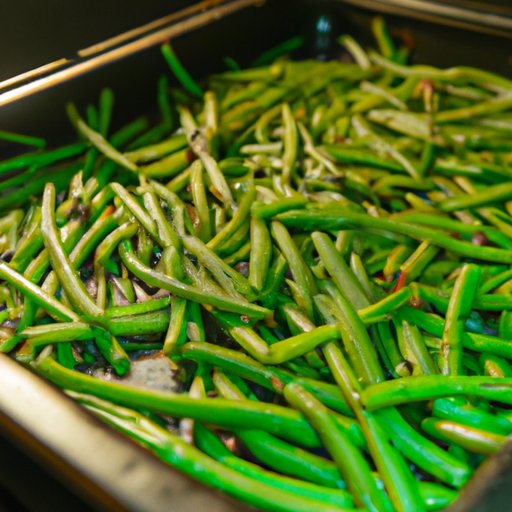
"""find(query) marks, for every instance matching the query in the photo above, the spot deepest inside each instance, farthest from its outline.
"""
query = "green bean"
(397, 478)
(169, 165)
(383, 38)
(477, 76)
(461, 411)
(363, 130)
(438, 221)
(459, 307)
(381, 309)
(356, 341)
(268, 210)
(166, 233)
(261, 125)
(248, 93)
(35, 293)
(112, 351)
(200, 201)
(227, 389)
(358, 54)
(105, 110)
(105, 248)
(180, 72)
(137, 309)
(42, 159)
(301, 273)
(59, 176)
(237, 221)
(230, 280)
(495, 281)
(422, 452)
(237, 363)
(429, 387)
(63, 331)
(178, 453)
(389, 352)
(101, 228)
(470, 438)
(97, 140)
(414, 349)
(181, 219)
(210, 444)
(212, 168)
(485, 107)
(339, 218)
(280, 455)
(163, 103)
(290, 140)
(155, 278)
(154, 322)
(263, 73)
(70, 234)
(268, 417)
(176, 333)
(495, 366)
(26, 140)
(19, 178)
(493, 194)
(353, 467)
(283, 48)
(30, 243)
(140, 214)
(61, 264)
(157, 151)
(260, 254)
(339, 270)
(283, 350)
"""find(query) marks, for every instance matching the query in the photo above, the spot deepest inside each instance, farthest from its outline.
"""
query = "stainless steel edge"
(489, 489)
(132, 42)
(478, 21)
(107, 469)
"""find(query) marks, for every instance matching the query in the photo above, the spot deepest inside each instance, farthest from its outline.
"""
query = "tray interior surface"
(242, 36)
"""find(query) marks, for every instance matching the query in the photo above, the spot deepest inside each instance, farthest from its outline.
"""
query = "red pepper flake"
(191, 156)
(270, 321)
(479, 239)
(277, 384)
(108, 211)
(400, 282)
(426, 85)
(231, 444)
(415, 302)
(244, 319)
(406, 36)
(215, 192)
(300, 113)
(383, 278)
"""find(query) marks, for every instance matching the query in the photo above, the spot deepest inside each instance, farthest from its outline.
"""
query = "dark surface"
(35, 32)
(106, 470)
(491, 491)
(243, 36)
(27, 487)
(42, 31)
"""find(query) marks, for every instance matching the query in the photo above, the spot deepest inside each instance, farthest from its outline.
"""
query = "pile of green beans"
(323, 250)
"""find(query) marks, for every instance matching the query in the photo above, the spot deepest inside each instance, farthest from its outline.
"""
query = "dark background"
(35, 32)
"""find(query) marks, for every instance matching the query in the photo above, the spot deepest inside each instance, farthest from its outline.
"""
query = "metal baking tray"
(72, 457)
